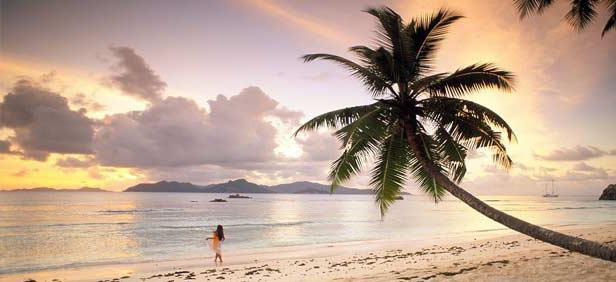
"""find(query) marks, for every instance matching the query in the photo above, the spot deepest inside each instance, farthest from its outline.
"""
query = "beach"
(512, 257)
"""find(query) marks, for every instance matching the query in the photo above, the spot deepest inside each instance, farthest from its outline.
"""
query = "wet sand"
(502, 258)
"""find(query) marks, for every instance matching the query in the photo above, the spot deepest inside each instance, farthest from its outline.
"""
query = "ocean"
(47, 230)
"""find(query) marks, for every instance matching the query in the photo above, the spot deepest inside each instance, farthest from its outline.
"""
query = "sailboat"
(552, 194)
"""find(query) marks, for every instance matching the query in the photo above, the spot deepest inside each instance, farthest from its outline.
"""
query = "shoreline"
(283, 261)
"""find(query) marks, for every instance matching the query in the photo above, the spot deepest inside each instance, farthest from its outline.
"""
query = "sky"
(113, 93)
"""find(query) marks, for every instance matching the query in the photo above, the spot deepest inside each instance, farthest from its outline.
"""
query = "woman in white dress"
(217, 238)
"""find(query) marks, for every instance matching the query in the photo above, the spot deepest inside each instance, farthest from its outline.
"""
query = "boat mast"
(553, 187)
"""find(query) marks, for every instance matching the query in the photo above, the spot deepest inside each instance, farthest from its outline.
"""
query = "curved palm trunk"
(583, 246)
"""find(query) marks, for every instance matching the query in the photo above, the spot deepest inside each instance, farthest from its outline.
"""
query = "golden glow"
(300, 20)
(18, 173)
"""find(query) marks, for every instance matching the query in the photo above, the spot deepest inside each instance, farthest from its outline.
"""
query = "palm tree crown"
(581, 13)
(408, 96)
(419, 126)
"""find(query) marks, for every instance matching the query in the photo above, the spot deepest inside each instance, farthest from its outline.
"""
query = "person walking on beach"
(217, 238)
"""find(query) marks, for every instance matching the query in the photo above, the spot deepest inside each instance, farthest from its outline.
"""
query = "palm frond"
(419, 85)
(349, 163)
(376, 85)
(379, 61)
(611, 22)
(389, 175)
(426, 34)
(388, 27)
(527, 7)
(470, 79)
(367, 122)
(335, 119)
(360, 140)
(453, 154)
(363, 53)
(384, 62)
(582, 13)
(424, 178)
(452, 107)
(473, 133)
(390, 35)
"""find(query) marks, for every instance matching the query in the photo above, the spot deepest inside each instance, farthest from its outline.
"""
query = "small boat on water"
(218, 201)
(551, 194)
(238, 196)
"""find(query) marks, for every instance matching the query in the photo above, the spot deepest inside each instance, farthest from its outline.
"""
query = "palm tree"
(419, 126)
(581, 13)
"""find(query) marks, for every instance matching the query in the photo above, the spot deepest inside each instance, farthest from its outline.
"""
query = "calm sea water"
(41, 230)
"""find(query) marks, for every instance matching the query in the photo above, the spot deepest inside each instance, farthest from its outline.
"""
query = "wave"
(277, 224)
(32, 268)
(269, 224)
(486, 230)
(578, 208)
(138, 210)
(559, 208)
(65, 224)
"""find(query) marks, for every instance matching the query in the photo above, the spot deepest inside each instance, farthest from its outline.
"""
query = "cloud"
(583, 167)
(5, 147)
(577, 153)
(82, 101)
(95, 173)
(321, 76)
(71, 162)
(173, 138)
(200, 174)
(273, 172)
(21, 173)
(582, 171)
(43, 123)
(287, 116)
(319, 147)
(177, 132)
(135, 77)
(580, 178)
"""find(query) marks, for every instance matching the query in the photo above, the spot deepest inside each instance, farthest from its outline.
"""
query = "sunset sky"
(113, 93)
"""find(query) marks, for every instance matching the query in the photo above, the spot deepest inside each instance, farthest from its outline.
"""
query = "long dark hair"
(219, 233)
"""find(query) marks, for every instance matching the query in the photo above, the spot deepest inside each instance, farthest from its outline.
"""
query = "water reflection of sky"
(40, 230)
(43, 229)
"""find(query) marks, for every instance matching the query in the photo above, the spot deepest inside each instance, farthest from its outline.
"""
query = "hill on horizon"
(48, 189)
(243, 186)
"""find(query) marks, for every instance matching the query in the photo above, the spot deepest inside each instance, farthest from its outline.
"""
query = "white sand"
(504, 258)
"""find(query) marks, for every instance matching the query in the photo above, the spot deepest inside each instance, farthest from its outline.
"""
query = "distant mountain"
(233, 186)
(166, 186)
(236, 186)
(306, 187)
(243, 186)
(47, 189)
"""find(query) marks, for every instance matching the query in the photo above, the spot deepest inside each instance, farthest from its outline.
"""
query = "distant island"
(609, 193)
(244, 186)
(239, 186)
(47, 189)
